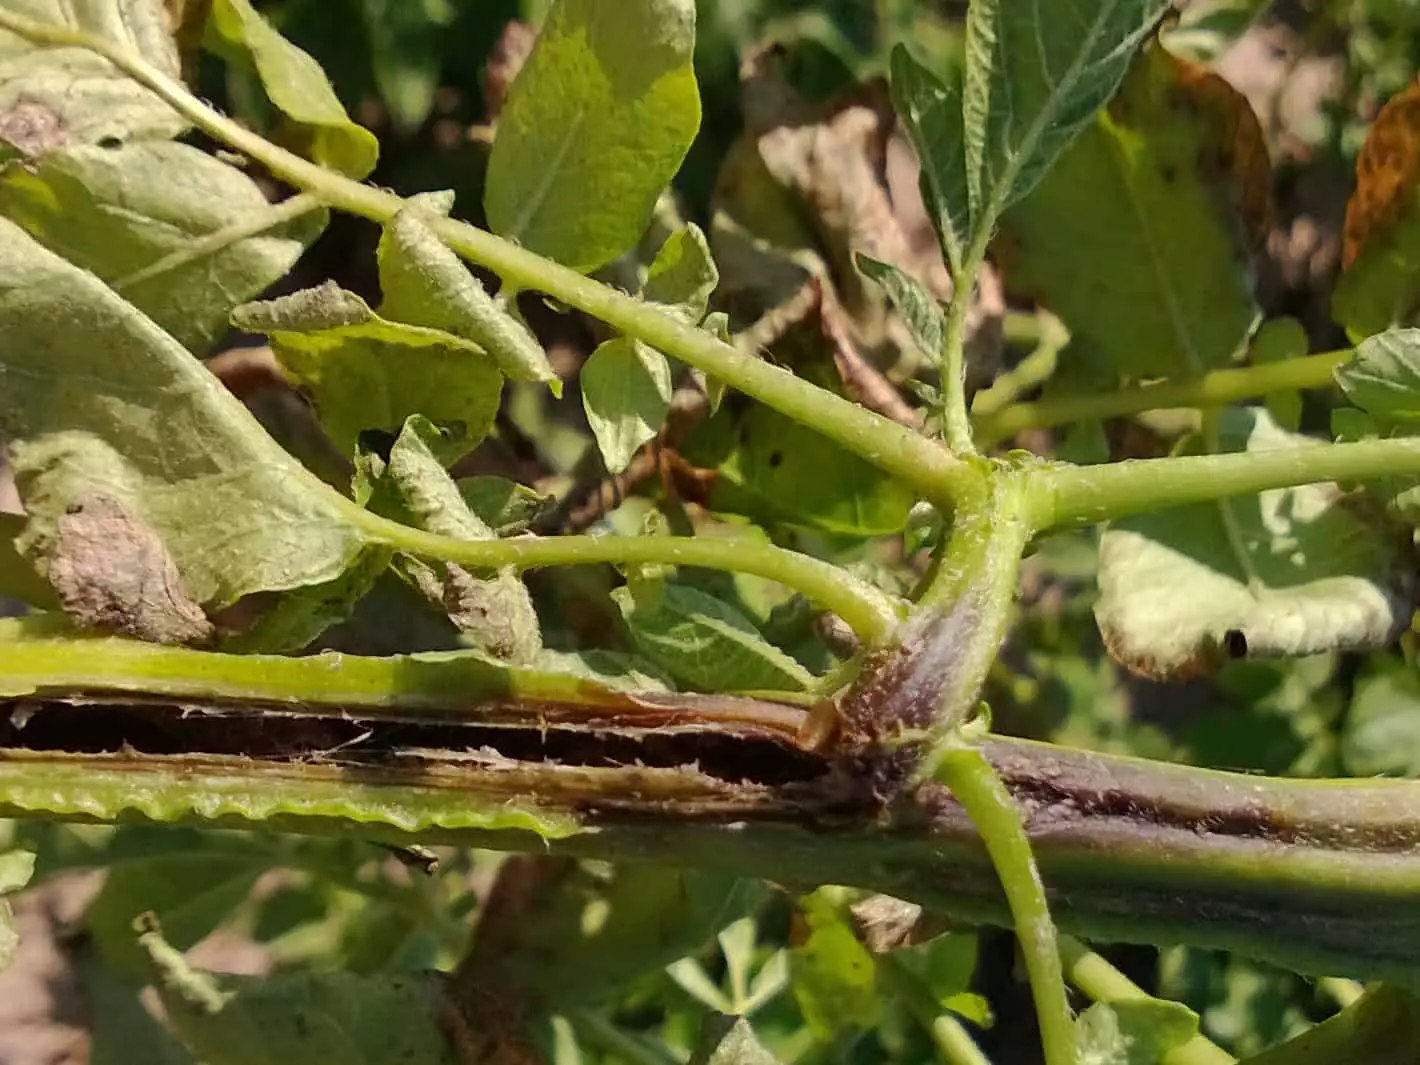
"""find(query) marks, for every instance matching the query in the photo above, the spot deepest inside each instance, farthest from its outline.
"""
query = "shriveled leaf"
(931, 112)
(504, 506)
(176, 232)
(53, 98)
(363, 371)
(298, 617)
(493, 613)
(1380, 256)
(682, 276)
(1383, 378)
(1134, 239)
(1133, 1032)
(918, 307)
(727, 1040)
(296, 86)
(1292, 572)
(626, 391)
(424, 283)
(704, 642)
(16, 868)
(235, 511)
(1035, 74)
(333, 1018)
(595, 126)
(835, 979)
(1381, 735)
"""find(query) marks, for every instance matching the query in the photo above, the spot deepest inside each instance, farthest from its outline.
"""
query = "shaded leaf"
(52, 98)
(424, 283)
(1133, 1031)
(296, 86)
(504, 506)
(704, 642)
(363, 371)
(626, 392)
(235, 511)
(726, 1040)
(18, 579)
(1381, 735)
(1293, 571)
(682, 276)
(1382, 1027)
(493, 613)
(1035, 74)
(918, 307)
(406, 52)
(1380, 257)
(123, 1031)
(179, 234)
(595, 126)
(319, 1018)
(1134, 238)
(16, 868)
(931, 111)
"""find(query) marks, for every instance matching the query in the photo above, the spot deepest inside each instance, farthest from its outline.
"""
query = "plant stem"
(1066, 496)
(955, 417)
(1216, 389)
(973, 782)
(933, 471)
(954, 1043)
(1096, 977)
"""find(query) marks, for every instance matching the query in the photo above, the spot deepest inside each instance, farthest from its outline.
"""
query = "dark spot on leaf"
(110, 143)
(776, 459)
(1235, 643)
(113, 573)
(1169, 173)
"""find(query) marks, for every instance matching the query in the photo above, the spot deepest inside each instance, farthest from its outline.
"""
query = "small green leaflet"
(1133, 1032)
(178, 233)
(505, 506)
(682, 276)
(364, 371)
(704, 643)
(1292, 571)
(595, 126)
(16, 868)
(1035, 74)
(918, 307)
(1383, 378)
(931, 112)
(834, 978)
(626, 391)
(54, 97)
(296, 86)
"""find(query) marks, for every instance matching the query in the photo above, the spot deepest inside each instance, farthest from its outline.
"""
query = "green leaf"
(123, 1030)
(424, 283)
(704, 642)
(726, 1040)
(363, 371)
(179, 234)
(1128, 240)
(1133, 1032)
(683, 276)
(494, 613)
(835, 979)
(918, 308)
(505, 506)
(1382, 1027)
(1292, 571)
(406, 51)
(595, 126)
(16, 868)
(316, 1018)
(1383, 378)
(931, 112)
(236, 512)
(296, 86)
(626, 392)
(1381, 735)
(611, 669)
(55, 97)
(1035, 74)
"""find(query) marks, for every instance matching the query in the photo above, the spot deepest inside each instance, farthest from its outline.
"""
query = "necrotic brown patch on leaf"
(1387, 170)
(113, 573)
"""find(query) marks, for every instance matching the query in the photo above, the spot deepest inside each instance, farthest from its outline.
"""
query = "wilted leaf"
(363, 371)
(16, 868)
(1381, 250)
(1381, 735)
(330, 1018)
(931, 111)
(704, 642)
(1133, 1032)
(1035, 74)
(626, 391)
(1135, 239)
(424, 283)
(835, 979)
(177, 232)
(296, 86)
(493, 613)
(726, 1040)
(595, 126)
(235, 511)
(1293, 571)
(918, 307)
(52, 98)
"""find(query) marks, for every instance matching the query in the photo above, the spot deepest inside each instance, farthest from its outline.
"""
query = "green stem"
(973, 782)
(955, 416)
(1216, 389)
(1065, 496)
(1096, 977)
(933, 471)
(954, 1043)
